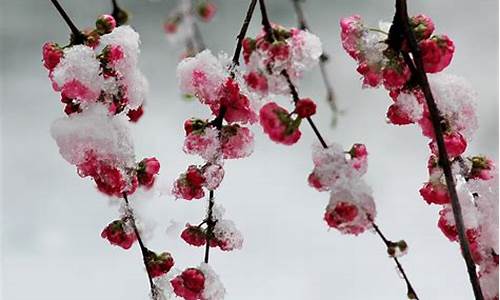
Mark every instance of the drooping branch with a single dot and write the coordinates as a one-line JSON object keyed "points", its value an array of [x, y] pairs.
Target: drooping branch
{"points": [[77, 37], [295, 96], [217, 122], [323, 59], [144, 250], [120, 15], [410, 290], [400, 31]]}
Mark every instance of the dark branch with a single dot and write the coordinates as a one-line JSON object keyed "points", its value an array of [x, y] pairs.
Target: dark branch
{"points": [[330, 94], [401, 25], [77, 37], [410, 291], [243, 32], [217, 122], [144, 250], [293, 91]]}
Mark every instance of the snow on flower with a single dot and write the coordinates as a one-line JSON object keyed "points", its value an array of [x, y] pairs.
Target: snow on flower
{"points": [[201, 76], [227, 235], [351, 207], [94, 130], [200, 283], [293, 50], [105, 70], [204, 142], [77, 74]]}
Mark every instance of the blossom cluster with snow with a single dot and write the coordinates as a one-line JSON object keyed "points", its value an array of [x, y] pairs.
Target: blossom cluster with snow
{"points": [[103, 90], [351, 209], [475, 176], [265, 57]]}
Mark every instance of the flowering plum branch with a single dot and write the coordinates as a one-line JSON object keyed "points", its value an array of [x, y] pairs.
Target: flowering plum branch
{"points": [[101, 86], [341, 215], [443, 107]]}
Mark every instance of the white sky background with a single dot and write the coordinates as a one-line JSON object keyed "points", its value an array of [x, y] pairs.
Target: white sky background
{"points": [[52, 219]]}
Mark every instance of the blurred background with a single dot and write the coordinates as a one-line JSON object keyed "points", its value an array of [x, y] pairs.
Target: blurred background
{"points": [[51, 219]]}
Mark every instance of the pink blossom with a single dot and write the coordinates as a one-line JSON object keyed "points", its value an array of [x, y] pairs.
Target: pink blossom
{"points": [[52, 55], [341, 213], [257, 81], [158, 265], [236, 104], [398, 117], [105, 24], [112, 54], [189, 284], [189, 185], [351, 32], [305, 108], [117, 234], [422, 26], [206, 10], [454, 142], [249, 45], [359, 157], [395, 74], [75, 89], [371, 76], [147, 170], [170, 27], [194, 235], [236, 141], [213, 176], [482, 168], [204, 142], [437, 53], [278, 124], [435, 193]]}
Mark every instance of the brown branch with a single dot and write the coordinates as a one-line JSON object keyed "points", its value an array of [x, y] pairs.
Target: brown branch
{"points": [[120, 15], [401, 25], [144, 250], [330, 93], [77, 37], [293, 91], [217, 122]]}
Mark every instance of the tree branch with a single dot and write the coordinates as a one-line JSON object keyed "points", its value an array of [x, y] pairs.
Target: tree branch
{"points": [[330, 93], [144, 250], [293, 91], [77, 37], [217, 122], [401, 25]]}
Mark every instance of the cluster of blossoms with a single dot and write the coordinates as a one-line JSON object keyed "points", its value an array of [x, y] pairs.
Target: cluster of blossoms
{"points": [[292, 50], [102, 70], [216, 84], [224, 235], [207, 78], [351, 209], [477, 182], [103, 90], [180, 24]]}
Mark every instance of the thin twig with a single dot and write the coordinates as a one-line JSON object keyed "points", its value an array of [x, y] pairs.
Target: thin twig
{"points": [[144, 250], [410, 291], [330, 93], [401, 29], [295, 96], [77, 36], [217, 122]]}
